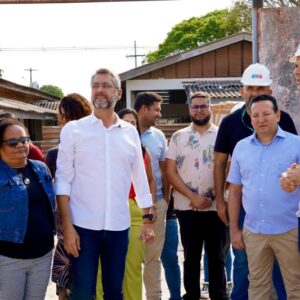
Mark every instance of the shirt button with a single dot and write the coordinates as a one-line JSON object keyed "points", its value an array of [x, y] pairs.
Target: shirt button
{"points": [[261, 174], [260, 190], [262, 220]]}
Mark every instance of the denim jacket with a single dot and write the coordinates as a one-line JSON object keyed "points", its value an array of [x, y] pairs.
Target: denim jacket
{"points": [[14, 200]]}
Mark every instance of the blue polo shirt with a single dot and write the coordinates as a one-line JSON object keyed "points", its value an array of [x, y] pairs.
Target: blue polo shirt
{"points": [[258, 167], [156, 144]]}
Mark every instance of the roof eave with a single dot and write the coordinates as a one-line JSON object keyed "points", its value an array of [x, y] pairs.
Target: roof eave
{"points": [[211, 46]]}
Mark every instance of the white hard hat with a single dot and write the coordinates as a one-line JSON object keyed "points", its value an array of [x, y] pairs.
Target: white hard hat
{"points": [[297, 53], [257, 75]]}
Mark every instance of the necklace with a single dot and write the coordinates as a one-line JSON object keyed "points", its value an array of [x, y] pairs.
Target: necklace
{"points": [[243, 121], [25, 179]]}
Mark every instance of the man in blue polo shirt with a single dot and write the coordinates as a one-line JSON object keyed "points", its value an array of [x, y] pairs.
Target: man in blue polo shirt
{"points": [[270, 227], [148, 107], [256, 80]]}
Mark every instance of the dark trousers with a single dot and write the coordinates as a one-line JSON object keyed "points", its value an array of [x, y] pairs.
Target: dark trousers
{"points": [[195, 228], [111, 247]]}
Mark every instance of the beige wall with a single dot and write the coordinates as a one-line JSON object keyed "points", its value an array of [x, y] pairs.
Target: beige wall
{"points": [[278, 37]]}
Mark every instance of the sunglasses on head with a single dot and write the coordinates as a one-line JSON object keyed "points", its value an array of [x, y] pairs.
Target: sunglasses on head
{"points": [[14, 142]]}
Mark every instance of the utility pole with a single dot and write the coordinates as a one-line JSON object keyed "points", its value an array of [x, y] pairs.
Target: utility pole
{"points": [[135, 55], [256, 4], [30, 70]]}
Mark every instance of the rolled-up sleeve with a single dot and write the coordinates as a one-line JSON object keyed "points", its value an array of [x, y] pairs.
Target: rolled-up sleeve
{"points": [[139, 178], [65, 161]]}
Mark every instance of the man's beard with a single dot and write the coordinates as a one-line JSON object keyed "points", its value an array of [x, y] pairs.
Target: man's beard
{"points": [[200, 122], [106, 104]]}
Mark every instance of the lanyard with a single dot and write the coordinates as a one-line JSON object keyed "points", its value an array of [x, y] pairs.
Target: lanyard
{"points": [[243, 121]]}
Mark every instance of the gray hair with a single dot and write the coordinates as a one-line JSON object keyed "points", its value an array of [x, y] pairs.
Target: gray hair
{"points": [[115, 77]]}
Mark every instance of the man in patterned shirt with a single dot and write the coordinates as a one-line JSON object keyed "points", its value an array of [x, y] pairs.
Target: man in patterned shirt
{"points": [[190, 171]]}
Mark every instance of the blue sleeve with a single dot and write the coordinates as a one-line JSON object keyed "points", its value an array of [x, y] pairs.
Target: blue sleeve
{"points": [[234, 175]]}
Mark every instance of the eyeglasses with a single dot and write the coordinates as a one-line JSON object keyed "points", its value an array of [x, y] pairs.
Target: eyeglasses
{"points": [[104, 85], [197, 107], [14, 142]]}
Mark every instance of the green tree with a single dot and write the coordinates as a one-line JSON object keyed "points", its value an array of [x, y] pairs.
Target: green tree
{"points": [[191, 33], [52, 90]]}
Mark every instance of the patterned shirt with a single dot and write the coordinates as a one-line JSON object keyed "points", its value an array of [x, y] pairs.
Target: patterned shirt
{"points": [[194, 156]]}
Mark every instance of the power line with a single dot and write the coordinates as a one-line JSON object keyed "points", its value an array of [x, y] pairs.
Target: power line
{"points": [[73, 48]]}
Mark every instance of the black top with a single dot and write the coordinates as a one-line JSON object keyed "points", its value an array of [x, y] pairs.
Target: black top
{"points": [[39, 237], [50, 160], [237, 126]]}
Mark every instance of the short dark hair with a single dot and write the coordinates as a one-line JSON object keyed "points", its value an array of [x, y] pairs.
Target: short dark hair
{"points": [[147, 99], [264, 97], [198, 95], [7, 115], [7, 122]]}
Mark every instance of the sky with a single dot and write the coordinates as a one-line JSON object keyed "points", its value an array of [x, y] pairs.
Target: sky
{"points": [[111, 26]]}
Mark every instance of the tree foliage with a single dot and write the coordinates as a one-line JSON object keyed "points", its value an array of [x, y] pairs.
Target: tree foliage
{"points": [[191, 33], [52, 90], [279, 3]]}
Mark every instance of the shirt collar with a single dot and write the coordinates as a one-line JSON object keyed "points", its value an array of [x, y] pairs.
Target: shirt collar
{"points": [[280, 133], [118, 123], [212, 128], [149, 130]]}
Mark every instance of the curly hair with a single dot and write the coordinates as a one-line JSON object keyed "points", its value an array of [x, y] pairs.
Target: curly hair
{"points": [[73, 107]]}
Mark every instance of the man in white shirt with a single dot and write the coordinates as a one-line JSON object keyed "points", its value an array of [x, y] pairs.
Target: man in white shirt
{"points": [[99, 156], [190, 172]]}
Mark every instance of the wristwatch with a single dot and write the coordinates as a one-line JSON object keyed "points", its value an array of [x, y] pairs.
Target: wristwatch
{"points": [[148, 217]]}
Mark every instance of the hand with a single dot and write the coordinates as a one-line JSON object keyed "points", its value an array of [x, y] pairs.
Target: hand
{"points": [[286, 183], [71, 240], [147, 234], [236, 238], [200, 202], [293, 173], [221, 206]]}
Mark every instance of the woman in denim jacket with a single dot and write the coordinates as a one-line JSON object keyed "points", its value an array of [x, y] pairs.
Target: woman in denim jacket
{"points": [[27, 213]]}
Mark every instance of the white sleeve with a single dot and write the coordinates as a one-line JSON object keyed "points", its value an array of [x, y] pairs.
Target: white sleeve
{"points": [[65, 161], [139, 177]]}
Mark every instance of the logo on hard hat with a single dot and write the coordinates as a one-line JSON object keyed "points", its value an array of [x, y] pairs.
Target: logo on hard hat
{"points": [[257, 76]]}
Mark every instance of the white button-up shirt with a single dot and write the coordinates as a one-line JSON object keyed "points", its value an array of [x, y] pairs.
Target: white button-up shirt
{"points": [[95, 167], [194, 156]]}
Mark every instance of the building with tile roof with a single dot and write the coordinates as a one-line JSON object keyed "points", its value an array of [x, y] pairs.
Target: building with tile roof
{"points": [[215, 67]]}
